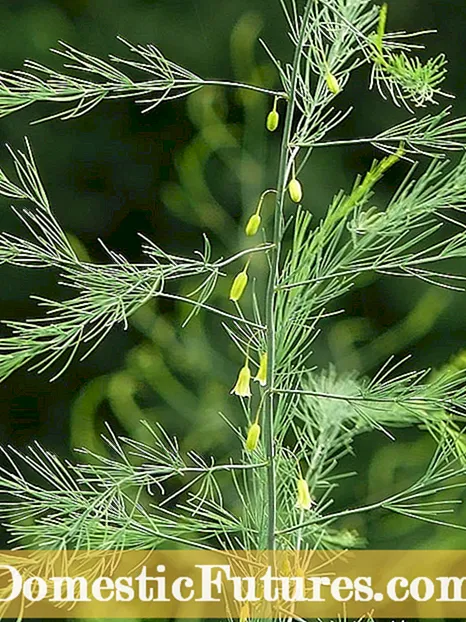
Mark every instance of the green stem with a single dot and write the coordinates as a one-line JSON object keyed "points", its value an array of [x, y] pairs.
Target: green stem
{"points": [[328, 517], [242, 85], [272, 282]]}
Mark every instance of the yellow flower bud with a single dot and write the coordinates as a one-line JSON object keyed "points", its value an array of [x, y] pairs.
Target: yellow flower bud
{"points": [[241, 387], [252, 439], [261, 375], [295, 190], [332, 84], [253, 225], [304, 500], [239, 285], [286, 568], [244, 613], [273, 119]]}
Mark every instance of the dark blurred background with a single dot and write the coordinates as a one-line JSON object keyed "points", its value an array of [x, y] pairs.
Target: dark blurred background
{"points": [[199, 165]]}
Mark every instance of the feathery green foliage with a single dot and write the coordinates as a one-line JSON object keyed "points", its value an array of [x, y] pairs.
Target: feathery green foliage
{"points": [[146, 493]]}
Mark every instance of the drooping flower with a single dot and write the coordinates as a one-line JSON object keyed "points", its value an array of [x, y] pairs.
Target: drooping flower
{"points": [[261, 376], [244, 613], [295, 190], [239, 285], [253, 225], [242, 386], [332, 83], [252, 439], [273, 118], [286, 568], [304, 499]]}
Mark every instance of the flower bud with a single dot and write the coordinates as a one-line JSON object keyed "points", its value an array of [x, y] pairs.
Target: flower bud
{"points": [[253, 225], [252, 439], [242, 387], [239, 285], [261, 376], [304, 500], [332, 84], [295, 190], [273, 119], [286, 568]]}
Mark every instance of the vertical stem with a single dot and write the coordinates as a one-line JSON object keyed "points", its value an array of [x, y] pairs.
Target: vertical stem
{"points": [[272, 282]]}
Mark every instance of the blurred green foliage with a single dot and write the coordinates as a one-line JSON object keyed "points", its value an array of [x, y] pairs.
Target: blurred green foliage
{"points": [[199, 166]]}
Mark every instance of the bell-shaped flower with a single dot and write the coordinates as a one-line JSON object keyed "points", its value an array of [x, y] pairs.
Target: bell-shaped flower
{"points": [[242, 386], [304, 499], [261, 376]]}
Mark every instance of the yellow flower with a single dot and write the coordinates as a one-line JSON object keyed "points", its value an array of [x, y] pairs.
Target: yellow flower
{"points": [[261, 376], [300, 573], [286, 568], [252, 439], [242, 387], [239, 285], [304, 500], [244, 613], [332, 83], [273, 119], [253, 225], [295, 190]]}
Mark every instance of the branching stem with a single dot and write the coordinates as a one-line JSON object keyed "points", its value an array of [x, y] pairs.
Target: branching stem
{"points": [[202, 305], [361, 398]]}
